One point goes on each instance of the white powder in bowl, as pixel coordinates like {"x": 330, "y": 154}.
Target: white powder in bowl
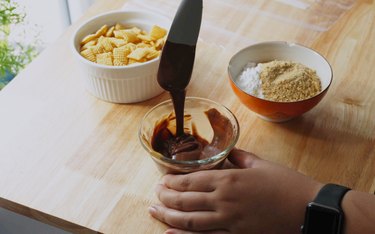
{"x": 249, "y": 80}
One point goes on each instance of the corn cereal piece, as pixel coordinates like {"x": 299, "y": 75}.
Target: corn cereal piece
{"x": 97, "y": 49}
{"x": 131, "y": 36}
{"x": 117, "y": 62}
{"x": 121, "y": 53}
{"x": 109, "y": 33}
{"x": 132, "y": 61}
{"x": 143, "y": 45}
{"x": 157, "y": 32}
{"x": 119, "y": 34}
{"x": 100, "y": 39}
{"x": 89, "y": 55}
{"x": 136, "y": 30}
{"x": 147, "y": 38}
{"x": 131, "y": 46}
{"x": 88, "y": 38}
{"x": 138, "y": 53}
{"x": 88, "y": 45}
{"x": 117, "y": 42}
{"x": 106, "y": 44}
{"x": 104, "y": 58}
{"x": 153, "y": 54}
{"x": 128, "y": 35}
{"x": 102, "y": 31}
{"x": 119, "y": 26}
{"x": 159, "y": 44}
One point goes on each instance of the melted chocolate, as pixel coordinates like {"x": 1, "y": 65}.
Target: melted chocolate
{"x": 183, "y": 147}
{"x": 174, "y": 75}
{"x": 171, "y": 64}
{"x": 175, "y": 68}
{"x": 191, "y": 146}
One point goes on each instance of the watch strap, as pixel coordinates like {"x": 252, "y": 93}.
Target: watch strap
{"x": 331, "y": 195}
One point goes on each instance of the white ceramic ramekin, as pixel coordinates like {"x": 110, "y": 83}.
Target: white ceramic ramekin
{"x": 120, "y": 84}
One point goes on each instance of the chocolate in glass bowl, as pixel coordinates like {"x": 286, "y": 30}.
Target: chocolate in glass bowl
{"x": 191, "y": 146}
{"x": 211, "y": 123}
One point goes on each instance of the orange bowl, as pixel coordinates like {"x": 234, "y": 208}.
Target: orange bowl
{"x": 269, "y": 51}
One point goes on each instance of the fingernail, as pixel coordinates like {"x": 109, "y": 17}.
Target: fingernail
{"x": 152, "y": 210}
{"x": 169, "y": 232}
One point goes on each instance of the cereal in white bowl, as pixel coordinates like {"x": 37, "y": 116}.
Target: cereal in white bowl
{"x": 121, "y": 45}
{"x": 135, "y": 82}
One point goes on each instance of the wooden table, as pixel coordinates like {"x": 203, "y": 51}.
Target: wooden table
{"x": 73, "y": 161}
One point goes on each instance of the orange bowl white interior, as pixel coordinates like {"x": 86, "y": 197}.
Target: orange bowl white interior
{"x": 269, "y": 51}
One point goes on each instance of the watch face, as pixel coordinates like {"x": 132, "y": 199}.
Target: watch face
{"x": 321, "y": 219}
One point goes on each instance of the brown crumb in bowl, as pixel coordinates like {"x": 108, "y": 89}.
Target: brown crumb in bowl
{"x": 286, "y": 81}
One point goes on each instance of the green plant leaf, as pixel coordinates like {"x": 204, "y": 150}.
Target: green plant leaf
{"x": 13, "y": 56}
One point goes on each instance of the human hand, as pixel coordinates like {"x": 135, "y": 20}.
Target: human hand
{"x": 260, "y": 197}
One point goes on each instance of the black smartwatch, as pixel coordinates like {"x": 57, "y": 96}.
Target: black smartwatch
{"x": 324, "y": 215}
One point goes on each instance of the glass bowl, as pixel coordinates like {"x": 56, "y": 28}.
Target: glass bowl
{"x": 222, "y": 139}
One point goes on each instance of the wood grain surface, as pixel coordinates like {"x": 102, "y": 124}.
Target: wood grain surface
{"x": 71, "y": 160}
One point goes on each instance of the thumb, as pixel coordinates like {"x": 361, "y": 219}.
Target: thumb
{"x": 243, "y": 159}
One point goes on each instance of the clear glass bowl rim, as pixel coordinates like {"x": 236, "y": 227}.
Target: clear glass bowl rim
{"x": 157, "y": 156}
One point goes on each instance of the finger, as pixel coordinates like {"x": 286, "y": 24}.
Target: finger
{"x": 243, "y": 159}
{"x": 191, "y": 221}
{"x": 228, "y": 165}
{"x": 184, "y": 201}
{"x": 179, "y": 231}
{"x": 200, "y": 181}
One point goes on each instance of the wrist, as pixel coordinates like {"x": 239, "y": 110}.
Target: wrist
{"x": 346, "y": 206}
{"x": 359, "y": 215}
{"x": 311, "y": 194}
{"x": 305, "y": 195}
{"x": 325, "y": 214}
